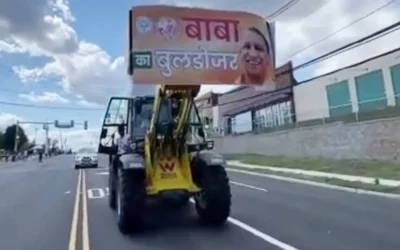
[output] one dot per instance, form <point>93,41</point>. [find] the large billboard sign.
<point>184,46</point>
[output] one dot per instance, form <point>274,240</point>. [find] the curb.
<point>318,184</point>
<point>313,173</point>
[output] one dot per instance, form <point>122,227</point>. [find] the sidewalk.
<point>30,158</point>
<point>368,180</point>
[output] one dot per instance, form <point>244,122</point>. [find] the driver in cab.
<point>122,141</point>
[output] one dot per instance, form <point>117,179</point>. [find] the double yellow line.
<point>76,220</point>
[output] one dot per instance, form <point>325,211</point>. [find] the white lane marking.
<point>258,233</point>
<point>96,193</point>
<point>261,235</point>
<point>67,192</point>
<point>317,184</point>
<point>102,173</point>
<point>85,220</point>
<point>248,186</point>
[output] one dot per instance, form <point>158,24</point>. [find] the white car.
<point>86,157</point>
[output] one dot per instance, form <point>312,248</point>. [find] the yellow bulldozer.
<point>162,154</point>
<point>156,144</point>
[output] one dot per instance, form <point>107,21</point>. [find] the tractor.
<point>164,155</point>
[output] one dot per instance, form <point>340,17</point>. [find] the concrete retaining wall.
<point>379,139</point>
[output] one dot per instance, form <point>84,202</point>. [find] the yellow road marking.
<point>74,225</point>
<point>85,221</point>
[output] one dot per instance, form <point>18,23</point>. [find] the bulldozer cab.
<point>134,115</point>
<point>131,114</point>
<point>116,116</point>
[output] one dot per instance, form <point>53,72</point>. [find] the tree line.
<point>7,139</point>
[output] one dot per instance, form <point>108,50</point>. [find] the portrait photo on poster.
<point>256,59</point>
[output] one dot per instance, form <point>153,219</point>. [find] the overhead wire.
<point>376,35</point>
<point>46,106</point>
<point>340,30</point>
<point>367,39</point>
<point>276,13</point>
<point>314,11</point>
<point>282,9</point>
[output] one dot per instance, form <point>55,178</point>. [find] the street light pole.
<point>16,139</point>
<point>36,129</point>
<point>61,140</point>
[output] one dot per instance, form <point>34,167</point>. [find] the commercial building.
<point>365,87</point>
<point>246,109</point>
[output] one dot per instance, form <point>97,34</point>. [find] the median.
<point>374,175</point>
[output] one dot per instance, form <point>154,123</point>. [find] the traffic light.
<point>85,125</point>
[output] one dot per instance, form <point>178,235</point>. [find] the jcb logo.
<point>167,166</point>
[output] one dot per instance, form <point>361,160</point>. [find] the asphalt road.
<point>38,211</point>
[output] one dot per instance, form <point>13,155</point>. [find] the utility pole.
<point>16,139</point>
<point>46,145</point>
<point>36,130</point>
<point>46,126</point>
<point>61,140</point>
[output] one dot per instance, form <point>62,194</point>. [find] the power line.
<point>372,37</point>
<point>376,35</point>
<point>282,9</point>
<point>10,91</point>
<point>324,3</point>
<point>341,29</point>
<point>47,107</point>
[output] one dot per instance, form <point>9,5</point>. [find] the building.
<point>370,85</point>
<point>246,109</point>
<point>208,108</point>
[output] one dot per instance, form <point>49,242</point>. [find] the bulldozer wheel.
<point>213,203</point>
<point>112,197</point>
<point>131,192</point>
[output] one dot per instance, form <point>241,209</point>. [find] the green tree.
<point>9,137</point>
<point>1,140</point>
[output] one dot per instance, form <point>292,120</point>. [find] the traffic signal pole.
<point>46,126</point>
<point>16,139</point>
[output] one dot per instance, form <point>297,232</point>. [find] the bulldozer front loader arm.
<point>166,154</point>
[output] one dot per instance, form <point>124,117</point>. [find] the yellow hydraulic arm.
<point>167,159</point>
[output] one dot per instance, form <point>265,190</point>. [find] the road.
<point>38,210</point>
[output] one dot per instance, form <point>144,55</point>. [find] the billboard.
<point>185,46</point>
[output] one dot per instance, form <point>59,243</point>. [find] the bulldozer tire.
<point>213,203</point>
<point>131,193</point>
<point>112,197</point>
